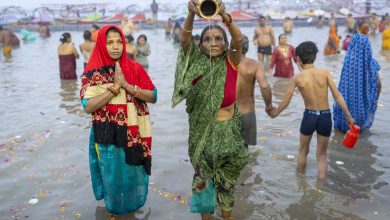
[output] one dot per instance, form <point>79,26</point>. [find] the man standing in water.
<point>319,22</point>
<point>250,71</point>
<point>374,23</point>
<point>5,41</point>
<point>350,23</point>
<point>288,25</point>
<point>44,30</point>
<point>263,39</point>
<point>313,84</point>
<point>154,8</point>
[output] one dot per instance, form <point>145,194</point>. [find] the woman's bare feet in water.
<point>227,215</point>
<point>206,216</point>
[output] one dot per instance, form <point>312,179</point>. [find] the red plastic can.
<point>351,136</point>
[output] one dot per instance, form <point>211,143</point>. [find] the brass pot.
<point>208,8</point>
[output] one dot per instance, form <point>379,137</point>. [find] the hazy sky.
<point>37,3</point>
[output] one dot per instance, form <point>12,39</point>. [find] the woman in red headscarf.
<point>115,91</point>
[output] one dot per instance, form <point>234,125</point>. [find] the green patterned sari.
<point>216,147</point>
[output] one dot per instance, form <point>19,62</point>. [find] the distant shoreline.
<point>158,25</point>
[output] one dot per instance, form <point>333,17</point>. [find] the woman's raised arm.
<point>186,33</point>
<point>235,45</point>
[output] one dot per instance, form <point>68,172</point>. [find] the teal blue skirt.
<point>124,188</point>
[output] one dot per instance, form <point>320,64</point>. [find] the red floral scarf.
<point>124,121</point>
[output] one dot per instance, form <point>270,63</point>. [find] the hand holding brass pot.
<point>208,8</point>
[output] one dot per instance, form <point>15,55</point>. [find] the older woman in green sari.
<point>206,77</point>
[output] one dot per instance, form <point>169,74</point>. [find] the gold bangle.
<point>116,90</point>
<point>137,94</point>
<point>113,90</point>
<point>135,89</point>
<point>108,89</point>
<point>186,30</point>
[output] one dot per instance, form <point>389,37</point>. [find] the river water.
<point>44,146</point>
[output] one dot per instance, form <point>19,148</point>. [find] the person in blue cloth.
<point>359,84</point>
<point>115,91</point>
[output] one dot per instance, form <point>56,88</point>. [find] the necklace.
<point>284,50</point>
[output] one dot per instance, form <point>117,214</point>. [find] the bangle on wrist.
<point>116,90</point>
<point>135,89</point>
<point>113,90</point>
<point>116,87</point>
<point>138,93</point>
<point>188,31</point>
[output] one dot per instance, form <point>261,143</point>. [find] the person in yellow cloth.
<point>332,46</point>
<point>386,39</point>
<point>95,31</point>
<point>5,41</point>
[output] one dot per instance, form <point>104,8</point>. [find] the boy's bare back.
<point>246,85</point>
<point>313,85</point>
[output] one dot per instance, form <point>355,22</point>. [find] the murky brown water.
<point>44,147</point>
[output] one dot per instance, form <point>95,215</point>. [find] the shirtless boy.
<point>263,39</point>
<point>250,71</point>
<point>313,84</point>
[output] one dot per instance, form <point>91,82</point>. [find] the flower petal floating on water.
<point>33,201</point>
<point>42,194</point>
<point>183,200</point>
<point>290,157</point>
